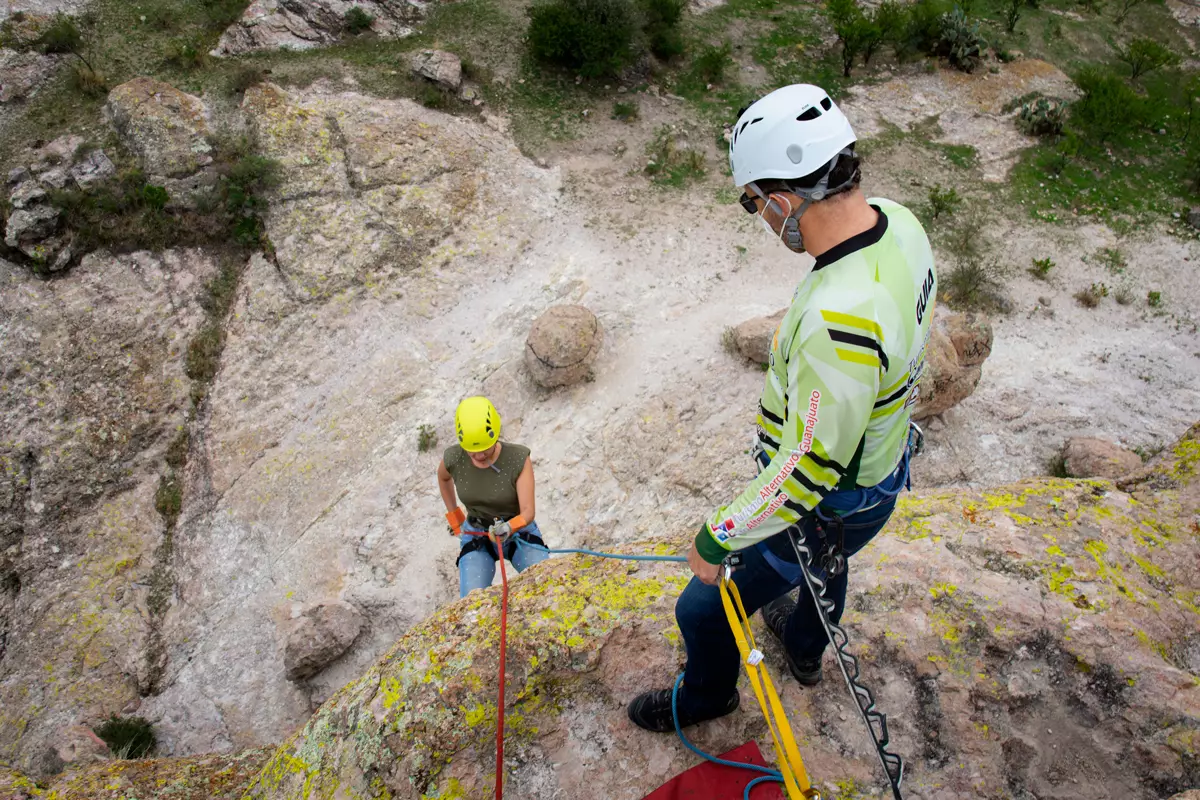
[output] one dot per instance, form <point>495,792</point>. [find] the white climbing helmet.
<point>790,133</point>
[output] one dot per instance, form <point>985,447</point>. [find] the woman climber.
<point>494,480</point>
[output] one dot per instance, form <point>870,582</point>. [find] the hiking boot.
<point>652,711</point>
<point>776,614</point>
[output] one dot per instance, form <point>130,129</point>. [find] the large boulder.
<point>753,337</point>
<point>438,66</point>
<point>319,636</point>
<point>303,24</point>
<point>958,345</point>
<point>167,129</point>
<point>1088,457</point>
<point>562,345</point>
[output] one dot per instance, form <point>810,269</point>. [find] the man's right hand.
<point>456,518</point>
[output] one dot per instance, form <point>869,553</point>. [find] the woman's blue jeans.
<point>713,661</point>
<point>477,569</point>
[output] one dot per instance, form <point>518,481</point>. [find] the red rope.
<point>500,703</point>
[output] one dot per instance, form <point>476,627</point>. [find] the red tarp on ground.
<point>709,781</point>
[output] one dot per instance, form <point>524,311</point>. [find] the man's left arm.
<point>831,389</point>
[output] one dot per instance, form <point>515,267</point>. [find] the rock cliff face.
<point>1034,641</point>
<point>93,392</point>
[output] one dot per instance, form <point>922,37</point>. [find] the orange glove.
<point>517,522</point>
<point>456,518</point>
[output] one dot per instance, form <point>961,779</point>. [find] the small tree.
<point>63,36</point>
<point>1146,55</point>
<point>1012,14</point>
<point>857,34</point>
<point>1124,7</point>
<point>892,20</point>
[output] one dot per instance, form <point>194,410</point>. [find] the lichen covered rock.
<point>208,777</point>
<point>167,129</point>
<point>1014,637</point>
<point>303,24</point>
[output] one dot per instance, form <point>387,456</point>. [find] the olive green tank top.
<point>491,493</point>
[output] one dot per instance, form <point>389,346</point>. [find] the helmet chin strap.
<point>789,229</point>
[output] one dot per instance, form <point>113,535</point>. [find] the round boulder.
<point>1086,457</point>
<point>562,345</point>
<point>321,634</point>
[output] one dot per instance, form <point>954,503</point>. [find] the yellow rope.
<point>795,778</point>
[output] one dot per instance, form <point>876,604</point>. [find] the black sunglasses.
<point>748,203</point>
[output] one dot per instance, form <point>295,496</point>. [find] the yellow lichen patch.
<point>942,590</point>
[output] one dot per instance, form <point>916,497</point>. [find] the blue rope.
<point>768,773</point>
<point>582,551</point>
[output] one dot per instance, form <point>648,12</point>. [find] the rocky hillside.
<point>1036,640</point>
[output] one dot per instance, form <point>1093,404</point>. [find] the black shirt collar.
<point>855,243</point>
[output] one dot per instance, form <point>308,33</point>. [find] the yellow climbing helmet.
<point>477,423</point>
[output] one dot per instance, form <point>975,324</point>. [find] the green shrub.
<point>61,37</point>
<point>1108,107</point>
<point>625,111</point>
<point>427,438</point>
<point>1091,296</point>
<point>669,163</point>
<point>961,42</point>
<point>356,21</point>
<point>128,737</point>
<point>923,32</point>
<point>1041,268</point>
<point>887,24</point>
<point>975,284</point>
<point>942,202</point>
<point>1112,259</point>
<point>155,197</point>
<point>1154,299</point>
<point>222,13</point>
<point>1044,116</point>
<point>244,78</point>
<point>168,500</point>
<point>187,54</point>
<point>661,25</point>
<point>1144,55</point>
<point>591,37</point>
<point>857,33</point>
<point>711,63</point>
<point>729,341</point>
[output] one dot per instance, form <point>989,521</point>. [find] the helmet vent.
<point>826,103</point>
<point>810,114</point>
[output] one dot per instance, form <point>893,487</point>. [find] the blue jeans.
<point>477,569</point>
<point>713,661</point>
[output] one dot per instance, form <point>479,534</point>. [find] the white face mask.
<point>789,227</point>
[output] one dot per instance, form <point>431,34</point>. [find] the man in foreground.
<point>833,421</point>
